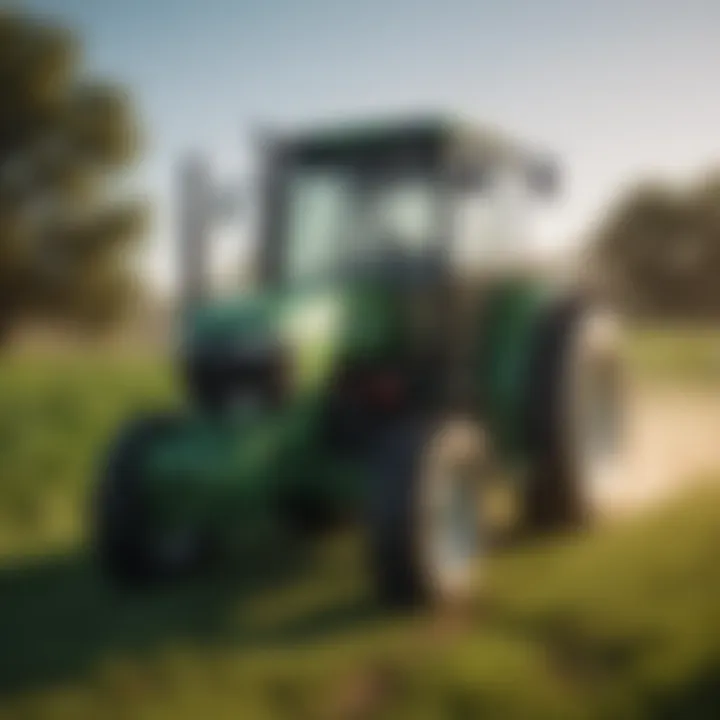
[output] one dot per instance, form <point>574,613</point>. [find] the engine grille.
<point>219,378</point>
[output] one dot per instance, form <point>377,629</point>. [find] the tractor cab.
<point>428,212</point>
<point>406,202</point>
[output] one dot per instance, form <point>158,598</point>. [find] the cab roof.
<point>445,136</point>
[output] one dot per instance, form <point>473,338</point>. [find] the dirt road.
<point>673,439</point>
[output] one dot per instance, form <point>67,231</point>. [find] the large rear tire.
<point>574,416</point>
<point>424,524</point>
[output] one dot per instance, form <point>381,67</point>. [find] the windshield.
<point>339,219</point>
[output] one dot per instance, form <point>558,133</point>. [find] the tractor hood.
<point>305,325</point>
<point>226,324</point>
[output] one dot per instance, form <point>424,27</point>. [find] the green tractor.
<point>398,348</point>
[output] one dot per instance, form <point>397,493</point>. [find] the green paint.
<point>228,472</point>
<point>504,351</point>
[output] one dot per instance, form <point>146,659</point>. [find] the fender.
<point>511,314</point>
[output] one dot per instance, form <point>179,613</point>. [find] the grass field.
<point>621,623</point>
<point>687,355</point>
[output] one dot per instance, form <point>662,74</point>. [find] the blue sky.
<point>619,89</point>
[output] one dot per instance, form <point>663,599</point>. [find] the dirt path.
<point>673,439</point>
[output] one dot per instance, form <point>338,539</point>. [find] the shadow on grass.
<point>59,618</point>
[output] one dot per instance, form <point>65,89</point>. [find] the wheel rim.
<point>451,519</point>
<point>598,406</point>
<point>600,414</point>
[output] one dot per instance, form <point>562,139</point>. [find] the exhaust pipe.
<point>194,214</point>
<point>202,206</point>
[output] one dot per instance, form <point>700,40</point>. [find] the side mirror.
<point>473,178</point>
<point>543,177</point>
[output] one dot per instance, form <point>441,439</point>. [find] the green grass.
<point>621,623</point>
<point>56,415</point>
<point>676,354</point>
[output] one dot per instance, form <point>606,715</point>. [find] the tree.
<point>659,250</point>
<point>66,226</point>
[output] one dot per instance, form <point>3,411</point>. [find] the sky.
<point>618,90</point>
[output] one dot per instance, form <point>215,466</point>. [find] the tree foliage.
<point>659,250</point>
<point>66,226</point>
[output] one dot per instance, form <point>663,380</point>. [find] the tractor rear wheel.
<point>574,416</point>
<point>129,546</point>
<point>424,523</point>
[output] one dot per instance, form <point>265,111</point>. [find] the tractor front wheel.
<point>129,546</point>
